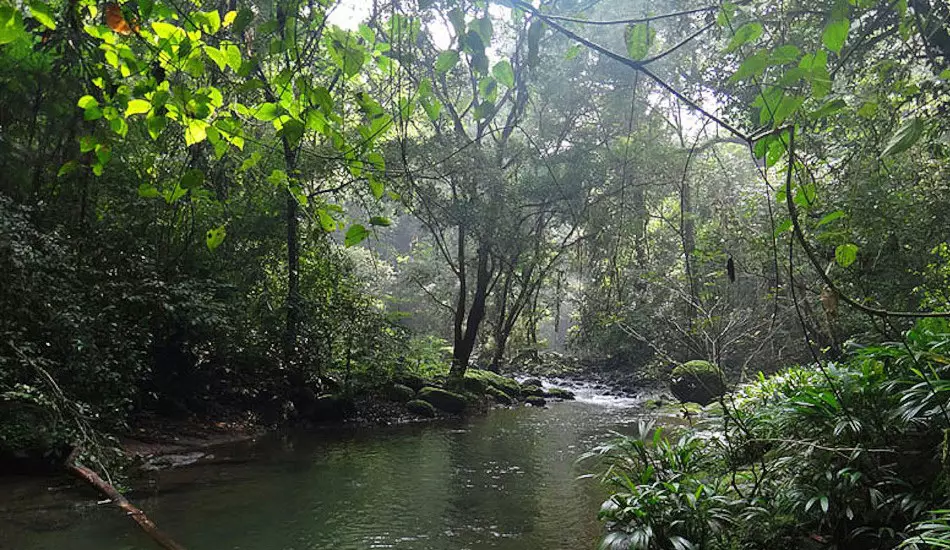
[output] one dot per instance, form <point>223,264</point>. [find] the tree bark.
<point>137,515</point>
<point>463,350</point>
<point>293,264</point>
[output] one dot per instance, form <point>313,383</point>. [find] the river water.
<point>506,480</point>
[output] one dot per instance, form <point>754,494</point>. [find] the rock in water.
<point>697,382</point>
<point>444,400</point>
<point>421,408</point>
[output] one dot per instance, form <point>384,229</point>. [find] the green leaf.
<point>846,254</point>
<point>155,125</point>
<point>753,66</point>
<point>41,12</point>
<point>828,218</point>
<point>148,191</point>
<point>265,112</point>
<point>503,73</point>
<point>215,237</point>
<point>828,109</point>
<point>745,34</point>
<point>196,131</point>
<point>355,235</point>
<point>446,61</point>
<point>353,59</point>
<point>87,102</point>
<point>637,38</point>
<point>905,137</point>
<point>277,178</point>
<point>250,162</point>
<point>326,220</point>
<point>137,107</point>
<point>11,25</point>
<point>380,221</point>
<point>193,178</point>
<point>483,27</point>
<point>234,57</point>
<point>67,168</point>
<point>376,188</point>
<point>572,52</point>
<point>219,57</point>
<point>788,53</point>
<point>836,33</point>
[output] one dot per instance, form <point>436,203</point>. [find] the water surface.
<point>506,480</point>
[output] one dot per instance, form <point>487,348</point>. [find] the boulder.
<point>532,382</point>
<point>412,380</point>
<point>443,400</point>
<point>532,390</point>
<point>697,382</point>
<point>559,393</point>
<point>535,401</point>
<point>330,407</point>
<point>421,408</point>
<point>399,393</point>
<point>508,385</point>
<point>474,385</point>
<point>499,396</point>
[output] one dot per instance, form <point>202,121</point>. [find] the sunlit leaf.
<point>835,34</point>
<point>355,235</point>
<point>906,136</point>
<point>215,237</point>
<point>637,37</point>
<point>846,254</point>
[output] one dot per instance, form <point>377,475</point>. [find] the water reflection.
<point>506,480</point>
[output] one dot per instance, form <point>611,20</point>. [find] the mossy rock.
<point>411,380</point>
<point>535,401</point>
<point>697,382</point>
<point>399,393</point>
<point>499,396</point>
<point>444,400</point>
<point>532,382</point>
<point>474,385</point>
<point>510,386</point>
<point>531,390</point>
<point>559,393</point>
<point>421,408</point>
<point>331,407</point>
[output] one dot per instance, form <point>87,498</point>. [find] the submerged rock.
<point>697,382</point>
<point>421,408</point>
<point>444,400</point>
<point>535,401</point>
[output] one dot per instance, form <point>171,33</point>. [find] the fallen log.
<point>106,488</point>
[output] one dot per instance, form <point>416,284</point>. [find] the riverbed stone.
<point>697,381</point>
<point>532,382</point>
<point>421,408</point>
<point>559,393</point>
<point>532,390</point>
<point>499,396</point>
<point>410,379</point>
<point>507,385</point>
<point>399,393</point>
<point>535,401</point>
<point>444,400</point>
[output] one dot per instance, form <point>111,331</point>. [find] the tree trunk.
<point>293,265</point>
<point>463,348</point>
<point>138,516</point>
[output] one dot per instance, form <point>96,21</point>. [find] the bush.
<point>853,453</point>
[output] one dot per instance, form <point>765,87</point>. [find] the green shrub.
<point>854,453</point>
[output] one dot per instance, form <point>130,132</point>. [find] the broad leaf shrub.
<point>850,455</point>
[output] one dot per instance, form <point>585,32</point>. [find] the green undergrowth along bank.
<point>849,455</point>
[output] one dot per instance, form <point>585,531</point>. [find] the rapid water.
<point>505,480</point>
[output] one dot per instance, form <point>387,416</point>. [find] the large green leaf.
<point>215,237</point>
<point>905,137</point>
<point>846,254</point>
<point>836,32</point>
<point>744,34</point>
<point>503,73</point>
<point>446,61</point>
<point>355,235</point>
<point>638,38</point>
<point>42,13</point>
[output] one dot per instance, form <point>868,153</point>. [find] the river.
<point>505,480</point>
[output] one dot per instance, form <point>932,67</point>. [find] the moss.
<point>508,385</point>
<point>444,400</point>
<point>421,408</point>
<point>399,393</point>
<point>535,391</point>
<point>559,393</point>
<point>499,396</point>
<point>697,382</point>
